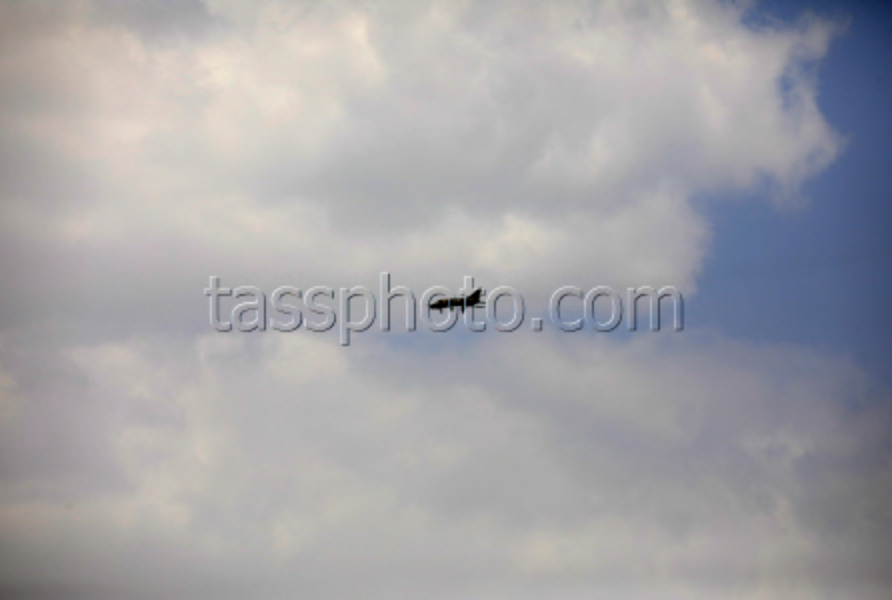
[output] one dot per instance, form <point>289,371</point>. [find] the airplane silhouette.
<point>472,301</point>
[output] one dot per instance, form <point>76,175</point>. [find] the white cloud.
<point>340,127</point>
<point>295,143</point>
<point>694,464</point>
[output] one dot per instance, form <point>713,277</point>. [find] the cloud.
<point>272,143</point>
<point>696,464</point>
<point>340,126</point>
<point>155,19</point>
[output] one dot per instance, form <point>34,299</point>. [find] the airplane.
<point>472,301</point>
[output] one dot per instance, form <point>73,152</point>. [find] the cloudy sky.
<point>734,150</point>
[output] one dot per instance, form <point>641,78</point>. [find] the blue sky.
<point>818,275</point>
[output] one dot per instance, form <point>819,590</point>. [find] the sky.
<point>828,257</point>
<point>732,150</point>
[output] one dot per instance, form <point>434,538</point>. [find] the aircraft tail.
<point>474,298</point>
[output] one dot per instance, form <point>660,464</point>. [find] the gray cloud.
<point>155,19</point>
